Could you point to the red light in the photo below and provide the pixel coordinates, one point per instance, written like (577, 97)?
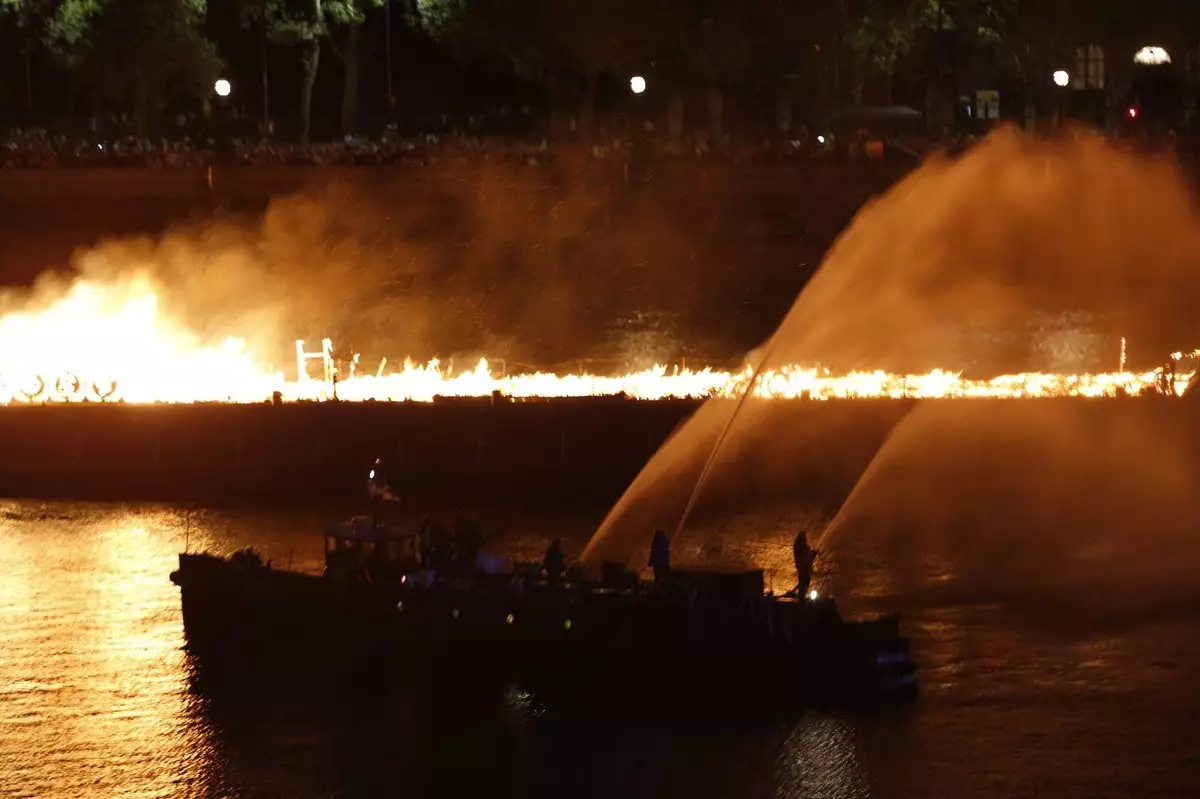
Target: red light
(1133, 112)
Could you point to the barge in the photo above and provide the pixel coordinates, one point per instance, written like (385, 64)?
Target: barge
(714, 630)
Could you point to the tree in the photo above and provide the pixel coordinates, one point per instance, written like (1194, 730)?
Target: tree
(347, 16)
(140, 52)
(268, 17)
(306, 24)
(29, 17)
(885, 31)
(558, 42)
(296, 23)
(798, 50)
(589, 37)
(507, 31)
(718, 44)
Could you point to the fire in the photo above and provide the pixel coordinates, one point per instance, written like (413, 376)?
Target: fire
(102, 342)
(423, 383)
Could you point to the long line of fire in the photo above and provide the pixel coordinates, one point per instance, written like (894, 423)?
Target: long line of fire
(109, 342)
(228, 374)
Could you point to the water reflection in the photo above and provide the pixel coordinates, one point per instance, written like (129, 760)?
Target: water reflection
(92, 699)
(97, 698)
(818, 760)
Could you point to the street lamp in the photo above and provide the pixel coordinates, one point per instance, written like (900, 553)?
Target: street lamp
(1062, 79)
(1152, 56)
(222, 88)
(637, 84)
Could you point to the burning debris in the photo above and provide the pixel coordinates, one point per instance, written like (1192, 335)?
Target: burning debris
(101, 343)
(425, 382)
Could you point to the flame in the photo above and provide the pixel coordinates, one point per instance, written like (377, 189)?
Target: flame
(106, 342)
(110, 341)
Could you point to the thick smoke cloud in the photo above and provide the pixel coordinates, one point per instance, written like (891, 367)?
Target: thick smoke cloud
(1015, 231)
(512, 262)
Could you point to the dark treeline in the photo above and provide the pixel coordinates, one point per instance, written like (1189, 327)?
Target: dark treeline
(563, 61)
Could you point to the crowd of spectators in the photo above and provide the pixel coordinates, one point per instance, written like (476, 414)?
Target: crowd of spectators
(504, 135)
(39, 148)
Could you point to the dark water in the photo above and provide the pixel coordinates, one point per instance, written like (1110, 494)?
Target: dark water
(97, 696)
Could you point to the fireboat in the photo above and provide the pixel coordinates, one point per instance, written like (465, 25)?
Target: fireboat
(384, 599)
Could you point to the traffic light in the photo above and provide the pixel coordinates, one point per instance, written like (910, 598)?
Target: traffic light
(1132, 112)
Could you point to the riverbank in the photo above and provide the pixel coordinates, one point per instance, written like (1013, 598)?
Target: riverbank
(571, 452)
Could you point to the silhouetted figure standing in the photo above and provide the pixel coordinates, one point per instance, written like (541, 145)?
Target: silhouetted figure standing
(555, 562)
(468, 541)
(804, 557)
(425, 543)
(441, 550)
(660, 556)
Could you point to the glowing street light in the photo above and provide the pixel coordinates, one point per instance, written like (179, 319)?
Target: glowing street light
(222, 88)
(1152, 56)
(1061, 78)
(637, 84)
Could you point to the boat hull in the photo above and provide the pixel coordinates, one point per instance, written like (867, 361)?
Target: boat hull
(630, 642)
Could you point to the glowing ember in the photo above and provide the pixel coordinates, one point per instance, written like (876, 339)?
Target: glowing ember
(111, 343)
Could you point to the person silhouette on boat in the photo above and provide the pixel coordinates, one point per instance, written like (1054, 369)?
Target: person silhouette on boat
(555, 562)
(425, 543)
(441, 549)
(468, 541)
(378, 490)
(660, 556)
(804, 556)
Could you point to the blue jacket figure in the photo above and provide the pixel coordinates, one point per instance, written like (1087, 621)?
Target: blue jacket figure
(660, 556)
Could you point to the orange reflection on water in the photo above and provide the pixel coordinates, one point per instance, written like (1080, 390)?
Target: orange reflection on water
(93, 627)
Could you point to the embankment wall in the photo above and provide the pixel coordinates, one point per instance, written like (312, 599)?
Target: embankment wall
(573, 452)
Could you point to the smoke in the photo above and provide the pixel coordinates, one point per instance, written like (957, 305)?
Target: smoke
(957, 267)
(503, 261)
(1017, 230)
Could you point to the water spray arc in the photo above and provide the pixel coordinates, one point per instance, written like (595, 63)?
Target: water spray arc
(712, 456)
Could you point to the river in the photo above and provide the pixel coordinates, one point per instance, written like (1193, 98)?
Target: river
(98, 698)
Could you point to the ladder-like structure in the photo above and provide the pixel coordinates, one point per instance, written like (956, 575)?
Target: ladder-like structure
(325, 355)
